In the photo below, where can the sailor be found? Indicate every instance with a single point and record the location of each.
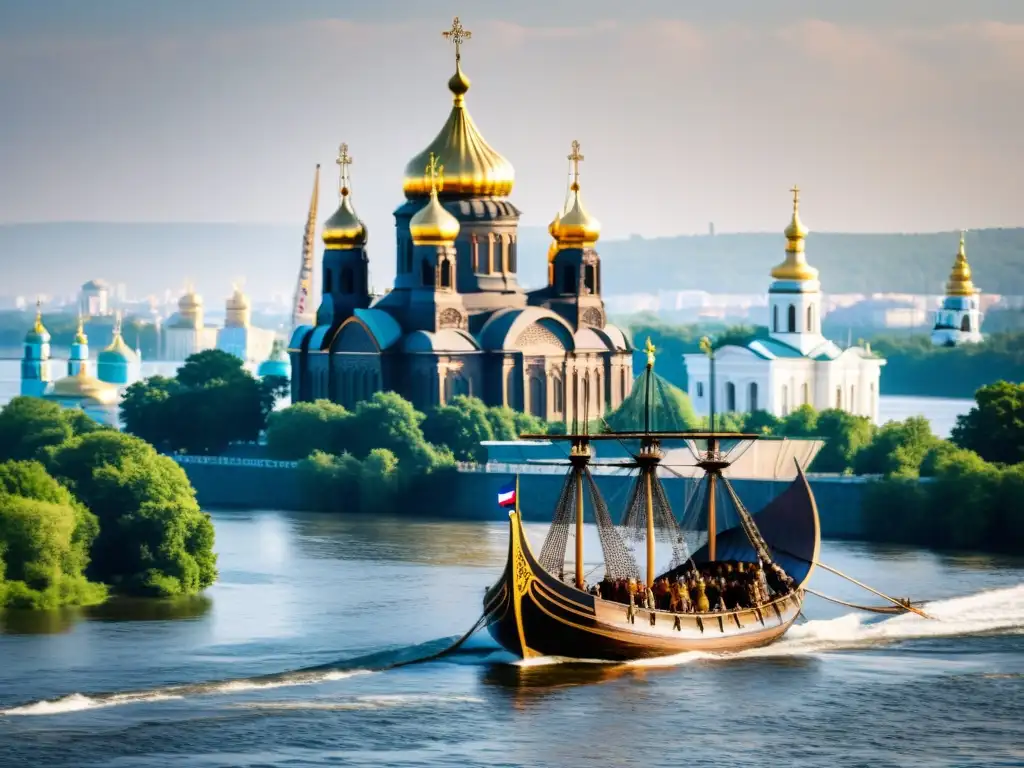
(703, 606)
(649, 602)
(631, 609)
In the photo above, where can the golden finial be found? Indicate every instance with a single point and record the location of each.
(458, 35)
(705, 346)
(39, 327)
(80, 337)
(795, 189)
(795, 267)
(434, 173)
(575, 157)
(650, 349)
(960, 283)
(344, 160)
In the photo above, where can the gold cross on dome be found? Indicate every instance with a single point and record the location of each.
(458, 35)
(796, 196)
(575, 157)
(344, 161)
(435, 173)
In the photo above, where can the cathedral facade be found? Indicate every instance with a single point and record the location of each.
(456, 320)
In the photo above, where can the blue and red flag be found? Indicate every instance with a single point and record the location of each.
(507, 495)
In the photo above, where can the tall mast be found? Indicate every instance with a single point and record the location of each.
(713, 471)
(649, 450)
(304, 287)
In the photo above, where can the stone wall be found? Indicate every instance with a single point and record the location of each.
(233, 483)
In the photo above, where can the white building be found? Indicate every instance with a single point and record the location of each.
(185, 333)
(795, 365)
(238, 337)
(958, 320)
(94, 299)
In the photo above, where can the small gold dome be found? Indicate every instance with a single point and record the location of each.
(191, 300)
(795, 266)
(84, 388)
(343, 229)
(37, 333)
(238, 301)
(80, 337)
(432, 224)
(960, 283)
(576, 228)
(471, 166)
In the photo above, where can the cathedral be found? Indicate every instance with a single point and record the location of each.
(958, 320)
(456, 320)
(795, 365)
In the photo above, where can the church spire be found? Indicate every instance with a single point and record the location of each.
(304, 286)
(343, 229)
(960, 283)
(795, 267)
(575, 228)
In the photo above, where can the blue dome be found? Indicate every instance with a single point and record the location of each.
(279, 368)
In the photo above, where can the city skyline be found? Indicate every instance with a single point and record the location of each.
(901, 118)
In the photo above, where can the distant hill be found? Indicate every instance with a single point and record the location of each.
(149, 258)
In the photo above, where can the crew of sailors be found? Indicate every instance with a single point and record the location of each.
(714, 587)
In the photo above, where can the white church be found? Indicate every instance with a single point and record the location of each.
(958, 320)
(795, 365)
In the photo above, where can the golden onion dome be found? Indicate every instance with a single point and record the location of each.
(344, 229)
(471, 166)
(118, 351)
(38, 334)
(83, 387)
(576, 228)
(191, 300)
(432, 224)
(238, 300)
(960, 283)
(795, 266)
(80, 337)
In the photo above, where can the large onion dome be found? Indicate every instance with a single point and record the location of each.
(795, 266)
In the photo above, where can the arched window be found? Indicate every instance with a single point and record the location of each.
(752, 396)
(575, 395)
(590, 278)
(775, 318)
(492, 254)
(426, 273)
(700, 389)
(810, 318)
(446, 273)
(597, 269)
(871, 405)
(474, 250)
(505, 241)
(328, 282)
(588, 405)
(792, 319)
(558, 393)
(853, 398)
(510, 389)
(512, 247)
(785, 400)
(839, 398)
(965, 324)
(730, 396)
(346, 280)
(623, 385)
(568, 279)
(806, 400)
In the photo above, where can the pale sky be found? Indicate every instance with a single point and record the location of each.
(902, 115)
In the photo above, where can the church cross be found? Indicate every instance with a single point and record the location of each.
(435, 173)
(458, 35)
(575, 157)
(796, 196)
(344, 161)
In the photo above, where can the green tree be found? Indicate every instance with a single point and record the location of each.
(331, 483)
(994, 428)
(387, 420)
(801, 422)
(897, 449)
(461, 427)
(203, 368)
(153, 538)
(28, 425)
(300, 429)
(845, 435)
(761, 423)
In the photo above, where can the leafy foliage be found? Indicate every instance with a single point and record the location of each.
(212, 402)
(994, 428)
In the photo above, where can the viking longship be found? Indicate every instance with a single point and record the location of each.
(735, 580)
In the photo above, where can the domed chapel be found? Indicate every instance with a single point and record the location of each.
(456, 321)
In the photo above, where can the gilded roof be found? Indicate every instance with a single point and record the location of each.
(471, 166)
(84, 388)
(960, 283)
(795, 266)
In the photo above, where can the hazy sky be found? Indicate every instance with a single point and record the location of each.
(894, 115)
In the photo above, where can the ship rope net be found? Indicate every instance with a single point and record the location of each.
(552, 554)
(619, 562)
(666, 528)
(668, 411)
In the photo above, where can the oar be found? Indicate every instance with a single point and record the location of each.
(892, 600)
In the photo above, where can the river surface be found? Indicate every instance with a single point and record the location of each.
(274, 667)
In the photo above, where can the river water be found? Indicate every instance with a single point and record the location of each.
(274, 667)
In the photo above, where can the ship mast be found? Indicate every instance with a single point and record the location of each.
(711, 462)
(650, 454)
